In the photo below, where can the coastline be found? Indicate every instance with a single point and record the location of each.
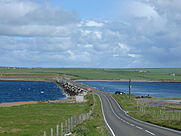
(9, 104)
(23, 79)
(85, 80)
(19, 103)
(127, 80)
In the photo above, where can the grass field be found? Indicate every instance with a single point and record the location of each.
(166, 119)
(34, 119)
(95, 126)
(98, 74)
(152, 114)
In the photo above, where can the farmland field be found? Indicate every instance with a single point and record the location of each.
(168, 74)
(34, 119)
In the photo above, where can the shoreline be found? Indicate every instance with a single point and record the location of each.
(85, 80)
(10, 104)
(127, 80)
(23, 79)
(19, 103)
(7, 104)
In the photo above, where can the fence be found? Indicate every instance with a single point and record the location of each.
(159, 113)
(65, 128)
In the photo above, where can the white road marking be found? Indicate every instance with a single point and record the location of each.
(139, 127)
(105, 117)
(127, 122)
(112, 109)
(132, 125)
(172, 130)
(150, 132)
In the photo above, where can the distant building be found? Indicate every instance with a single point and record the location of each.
(79, 98)
(172, 74)
(89, 89)
(141, 71)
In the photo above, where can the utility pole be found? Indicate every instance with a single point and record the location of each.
(129, 88)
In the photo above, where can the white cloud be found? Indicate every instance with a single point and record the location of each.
(85, 32)
(115, 55)
(138, 9)
(78, 57)
(134, 55)
(91, 23)
(89, 46)
(147, 34)
(27, 18)
(124, 48)
(98, 34)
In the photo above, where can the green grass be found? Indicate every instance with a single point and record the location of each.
(125, 102)
(95, 126)
(156, 114)
(171, 120)
(32, 120)
(105, 74)
(173, 106)
(157, 70)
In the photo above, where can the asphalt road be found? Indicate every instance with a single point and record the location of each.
(121, 124)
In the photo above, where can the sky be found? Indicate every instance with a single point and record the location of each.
(90, 34)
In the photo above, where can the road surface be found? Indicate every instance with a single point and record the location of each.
(121, 124)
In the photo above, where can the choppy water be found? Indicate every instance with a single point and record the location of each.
(13, 91)
(158, 89)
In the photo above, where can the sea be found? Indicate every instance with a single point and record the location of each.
(157, 89)
(16, 91)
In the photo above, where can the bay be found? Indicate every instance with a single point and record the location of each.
(157, 89)
(14, 91)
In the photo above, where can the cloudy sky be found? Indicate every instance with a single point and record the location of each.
(94, 33)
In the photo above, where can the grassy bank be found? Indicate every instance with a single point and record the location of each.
(32, 120)
(95, 126)
(151, 113)
(163, 74)
(171, 120)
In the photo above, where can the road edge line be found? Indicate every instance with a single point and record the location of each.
(105, 117)
(169, 129)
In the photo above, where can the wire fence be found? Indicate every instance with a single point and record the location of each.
(160, 113)
(65, 128)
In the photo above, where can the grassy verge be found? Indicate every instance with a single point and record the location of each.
(95, 126)
(125, 102)
(32, 120)
(152, 114)
(166, 119)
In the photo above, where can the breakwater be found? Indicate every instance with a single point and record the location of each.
(70, 87)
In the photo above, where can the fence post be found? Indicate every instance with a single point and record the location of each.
(71, 122)
(62, 129)
(51, 131)
(65, 127)
(68, 126)
(57, 130)
(44, 133)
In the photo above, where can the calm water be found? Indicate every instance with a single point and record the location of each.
(160, 89)
(13, 91)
